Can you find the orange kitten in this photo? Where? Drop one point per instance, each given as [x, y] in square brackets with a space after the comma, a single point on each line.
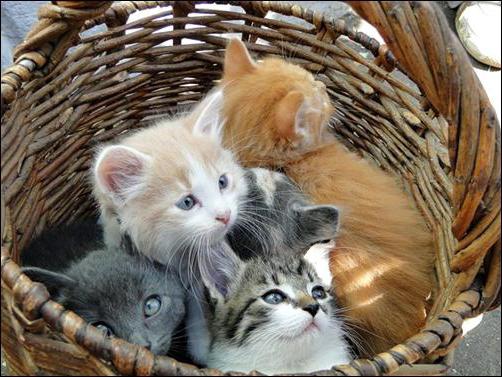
[276, 116]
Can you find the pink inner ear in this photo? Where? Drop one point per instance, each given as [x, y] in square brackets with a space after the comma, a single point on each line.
[120, 169]
[238, 62]
[286, 113]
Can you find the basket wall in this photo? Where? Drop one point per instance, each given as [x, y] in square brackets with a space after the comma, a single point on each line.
[439, 135]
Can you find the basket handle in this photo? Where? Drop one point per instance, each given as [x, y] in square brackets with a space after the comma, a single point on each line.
[58, 24]
[420, 38]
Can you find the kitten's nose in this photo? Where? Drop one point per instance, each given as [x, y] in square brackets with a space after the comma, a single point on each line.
[223, 217]
[312, 309]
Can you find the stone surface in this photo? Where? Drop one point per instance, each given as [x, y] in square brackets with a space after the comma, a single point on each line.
[479, 352]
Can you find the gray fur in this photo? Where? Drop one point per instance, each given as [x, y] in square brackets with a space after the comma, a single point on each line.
[111, 286]
[275, 214]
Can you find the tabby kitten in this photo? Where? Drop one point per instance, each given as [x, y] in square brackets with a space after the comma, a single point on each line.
[275, 315]
[277, 117]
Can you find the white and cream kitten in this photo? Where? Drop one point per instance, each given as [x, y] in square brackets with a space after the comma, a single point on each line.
[171, 188]
[275, 315]
[175, 192]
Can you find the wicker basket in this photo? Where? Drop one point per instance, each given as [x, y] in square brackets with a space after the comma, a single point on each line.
[68, 92]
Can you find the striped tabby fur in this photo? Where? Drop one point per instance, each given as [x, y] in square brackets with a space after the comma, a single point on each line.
[299, 334]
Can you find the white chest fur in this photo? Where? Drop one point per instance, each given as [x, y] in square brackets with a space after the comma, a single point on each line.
[309, 356]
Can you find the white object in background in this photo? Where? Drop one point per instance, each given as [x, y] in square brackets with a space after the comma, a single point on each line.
[478, 27]
[471, 323]
[491, 83]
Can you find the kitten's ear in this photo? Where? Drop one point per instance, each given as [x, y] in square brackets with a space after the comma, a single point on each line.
[289, 115]
[316, 222]
[52, 280]
[318, 256]
[209, 122]
[120, 171]
[238, 62]
[221, 271]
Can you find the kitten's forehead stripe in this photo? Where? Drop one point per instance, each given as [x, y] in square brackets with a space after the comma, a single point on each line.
[266, 181]
[300, 267]
[275, 279]
[228, 317]
[311, 278]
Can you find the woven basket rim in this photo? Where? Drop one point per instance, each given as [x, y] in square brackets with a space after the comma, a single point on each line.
[465, 305]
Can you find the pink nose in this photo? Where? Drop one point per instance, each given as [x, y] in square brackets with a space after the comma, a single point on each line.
[223, 217]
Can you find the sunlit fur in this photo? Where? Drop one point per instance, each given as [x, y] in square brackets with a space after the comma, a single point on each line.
[251, 334]
[384, 256]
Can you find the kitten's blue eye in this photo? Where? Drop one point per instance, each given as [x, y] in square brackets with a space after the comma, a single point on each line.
[187, 203]
[152, 306]
[318, 292]
[274, 297]
[104, 328]
[223, 182]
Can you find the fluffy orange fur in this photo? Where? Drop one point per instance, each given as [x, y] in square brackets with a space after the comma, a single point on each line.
[276, 116]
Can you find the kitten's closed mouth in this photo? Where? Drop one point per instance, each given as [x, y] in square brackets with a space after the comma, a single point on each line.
[310, 328]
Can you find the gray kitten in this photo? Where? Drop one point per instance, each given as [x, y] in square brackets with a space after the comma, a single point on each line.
[276, 214]
[274, 315]
[122, 294]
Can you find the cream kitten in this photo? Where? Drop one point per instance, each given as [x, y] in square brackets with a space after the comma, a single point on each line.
[170, 187]
[175, 192]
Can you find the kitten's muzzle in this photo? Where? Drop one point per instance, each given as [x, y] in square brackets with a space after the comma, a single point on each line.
[223, 217]
[312, 309]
